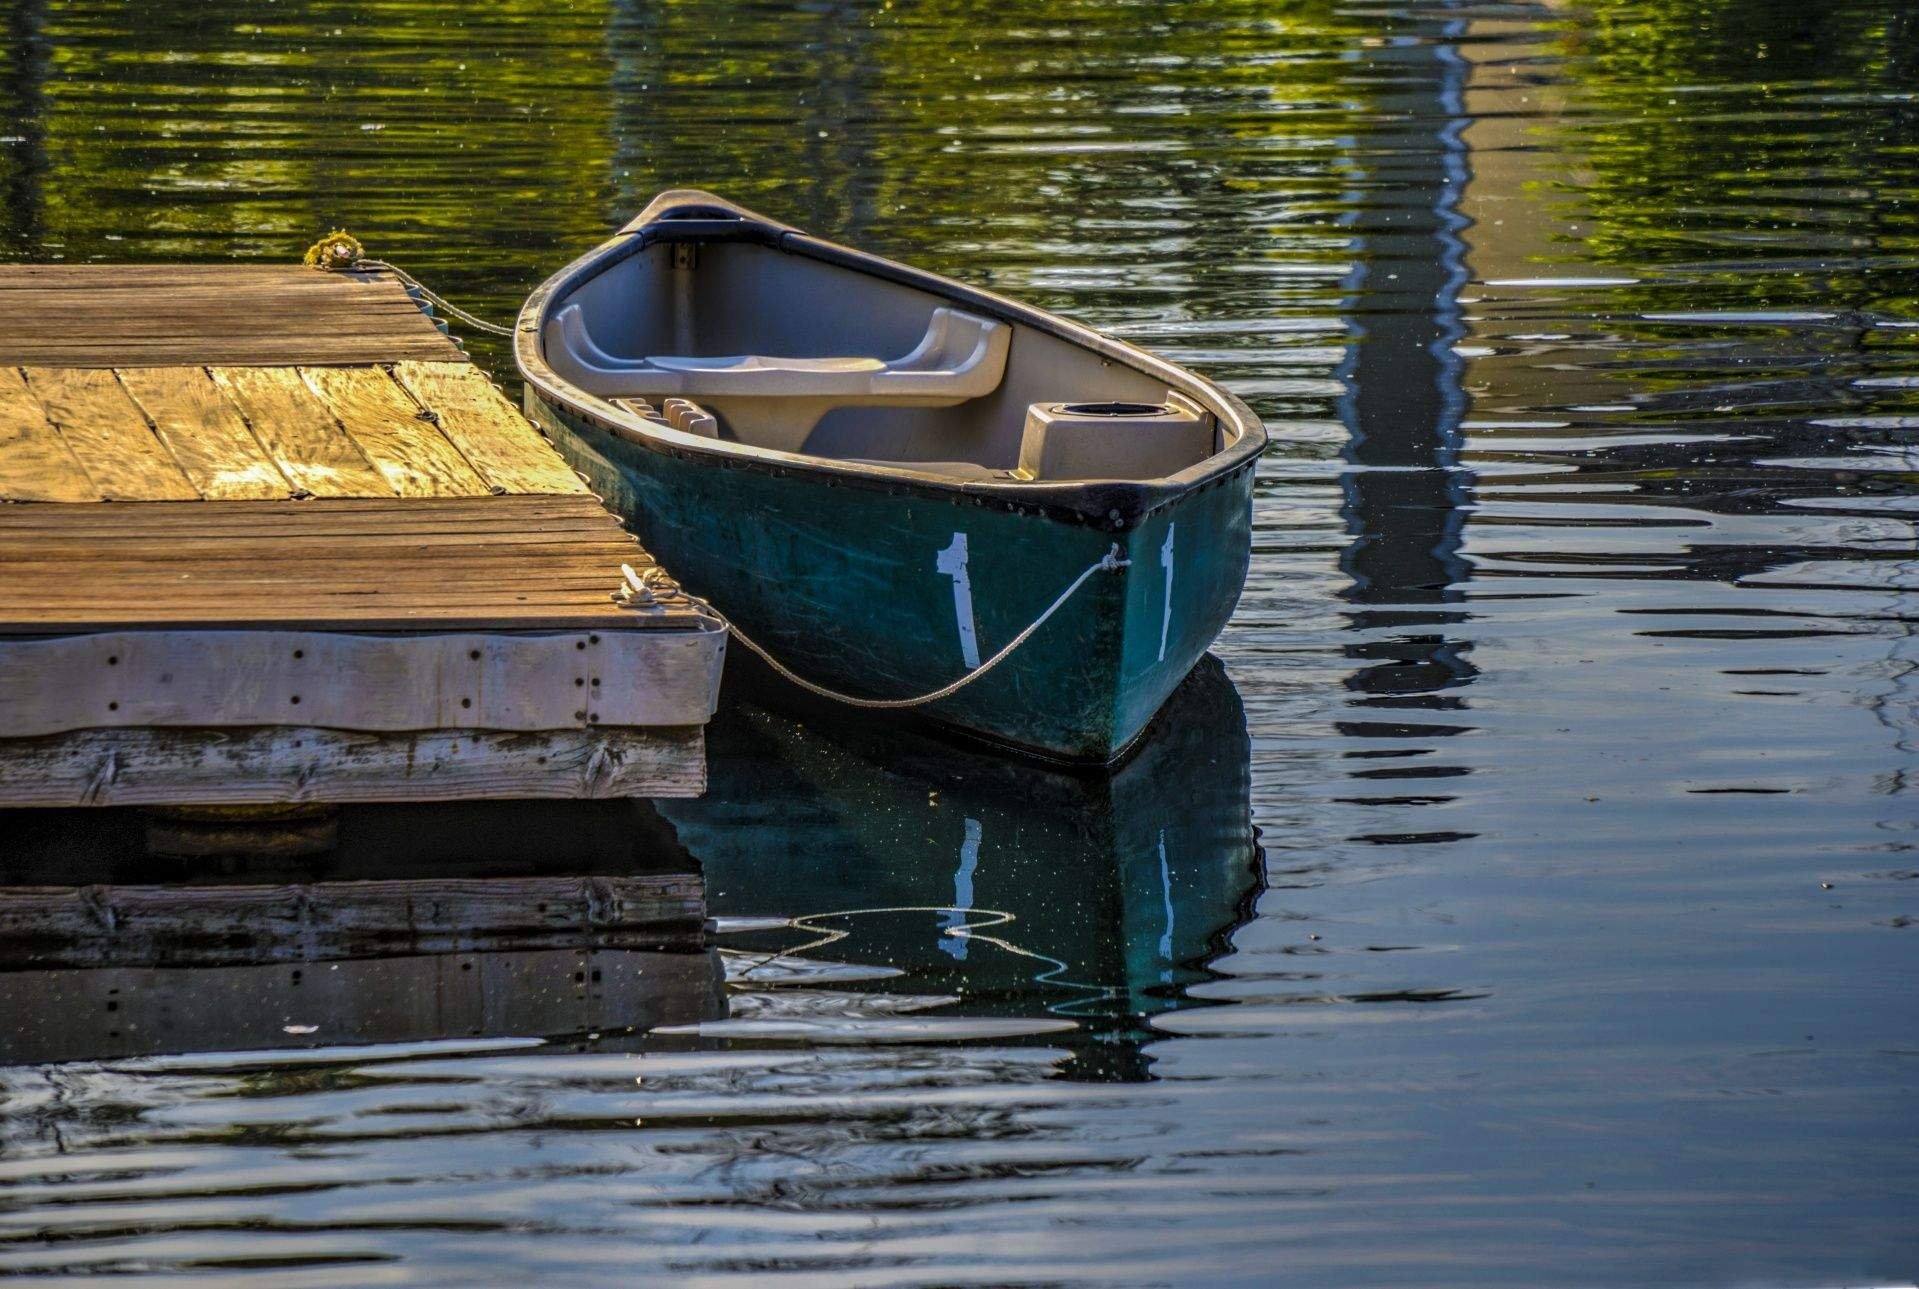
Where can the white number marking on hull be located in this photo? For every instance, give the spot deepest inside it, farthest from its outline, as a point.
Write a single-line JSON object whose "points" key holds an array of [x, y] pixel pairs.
{"points": [[1166, 617], [952, 562]]}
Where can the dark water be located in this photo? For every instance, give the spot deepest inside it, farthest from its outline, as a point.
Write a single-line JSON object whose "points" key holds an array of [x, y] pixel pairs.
{"points": [[1572, 694]]}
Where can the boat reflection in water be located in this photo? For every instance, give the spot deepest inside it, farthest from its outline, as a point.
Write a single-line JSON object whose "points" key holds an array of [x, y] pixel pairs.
{"points": [[1012, 890]]}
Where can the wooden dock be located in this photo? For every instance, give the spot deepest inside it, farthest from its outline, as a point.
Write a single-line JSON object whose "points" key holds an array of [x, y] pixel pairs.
{"points": [[267, 535]]}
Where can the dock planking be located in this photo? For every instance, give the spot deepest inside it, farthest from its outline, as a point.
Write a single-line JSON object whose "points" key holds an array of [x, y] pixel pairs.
{"points": [[208, 436], [390, 566], [211, 315], [320, 515], [218, 433], [109, 437]]}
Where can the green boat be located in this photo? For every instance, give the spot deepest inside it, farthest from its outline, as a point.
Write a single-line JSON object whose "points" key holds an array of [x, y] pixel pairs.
{"points": [[900, 489]]}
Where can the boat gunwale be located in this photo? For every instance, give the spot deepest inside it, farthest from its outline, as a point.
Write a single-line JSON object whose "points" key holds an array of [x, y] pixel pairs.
{"points": [[1114, 504]]}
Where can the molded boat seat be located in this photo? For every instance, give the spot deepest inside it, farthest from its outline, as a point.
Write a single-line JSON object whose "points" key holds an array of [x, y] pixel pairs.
{"points": [[741, 374], [774, 401], [969, 470]]}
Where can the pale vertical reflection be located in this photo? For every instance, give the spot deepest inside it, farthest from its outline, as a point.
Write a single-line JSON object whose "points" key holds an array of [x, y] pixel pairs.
{"points": [[1404, 400], [955, 945]]}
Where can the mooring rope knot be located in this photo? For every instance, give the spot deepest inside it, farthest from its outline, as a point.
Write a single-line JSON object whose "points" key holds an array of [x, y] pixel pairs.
{"points": [[341, 252], [337, 252]]}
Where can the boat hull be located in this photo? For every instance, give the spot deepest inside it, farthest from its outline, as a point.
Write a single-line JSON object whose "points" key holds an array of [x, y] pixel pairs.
{"points": [[867, 589]]}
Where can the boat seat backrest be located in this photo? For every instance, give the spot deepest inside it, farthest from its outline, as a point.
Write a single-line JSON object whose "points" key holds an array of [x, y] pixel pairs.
{"points": [[961, 356], [775, 401]]}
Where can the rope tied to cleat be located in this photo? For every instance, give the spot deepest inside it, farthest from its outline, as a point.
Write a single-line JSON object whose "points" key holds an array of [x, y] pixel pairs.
{"points": [[341, 252]]}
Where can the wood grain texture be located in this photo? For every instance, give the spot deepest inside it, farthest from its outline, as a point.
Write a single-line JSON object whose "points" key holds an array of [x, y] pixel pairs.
{"points": [[184, 314], [109, 435], [510, 454], [35, 462], [396, 434], [289, 764], [300, 433], [402, 564], [143, 276], [329, 515], [299, 401], [487, 679], [206, 433]]}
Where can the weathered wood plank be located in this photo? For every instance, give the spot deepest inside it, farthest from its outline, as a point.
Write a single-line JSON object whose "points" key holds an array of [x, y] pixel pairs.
{"points": [[477, 619], [206, 433], [502, 680], [424, 511], [173, 925], [418, 608], [390, 428], [419, 601], [432, 570], [100, 316], [41, 592], [39, 586], [14, 276], [241, 999], [134, 277], [89, 524], [321, 544], [64, 316], [237, 350], [300, 434], [35, 462], [109, 435], [500, 443], [286, 764], [401, 564]]}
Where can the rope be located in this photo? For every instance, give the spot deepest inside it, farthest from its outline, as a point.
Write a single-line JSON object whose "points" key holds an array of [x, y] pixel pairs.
{"points": [[1110, 562], [434, 297], [340, 251]]}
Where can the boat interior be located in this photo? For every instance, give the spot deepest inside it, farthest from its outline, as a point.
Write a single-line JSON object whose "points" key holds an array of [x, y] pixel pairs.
{"points": [[749, 344]]}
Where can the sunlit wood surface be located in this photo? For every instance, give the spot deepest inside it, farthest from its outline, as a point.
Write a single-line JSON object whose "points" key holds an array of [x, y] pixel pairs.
{"points": [[258, 497]]}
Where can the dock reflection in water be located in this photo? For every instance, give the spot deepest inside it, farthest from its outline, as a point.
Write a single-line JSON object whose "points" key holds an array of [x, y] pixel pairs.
{"points": [[466, 928], [1008, 889]]}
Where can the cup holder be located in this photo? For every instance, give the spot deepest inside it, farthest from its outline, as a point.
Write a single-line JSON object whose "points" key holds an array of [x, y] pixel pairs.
{"points": [[1115, 409], [1120, 439], [684, 214]]}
